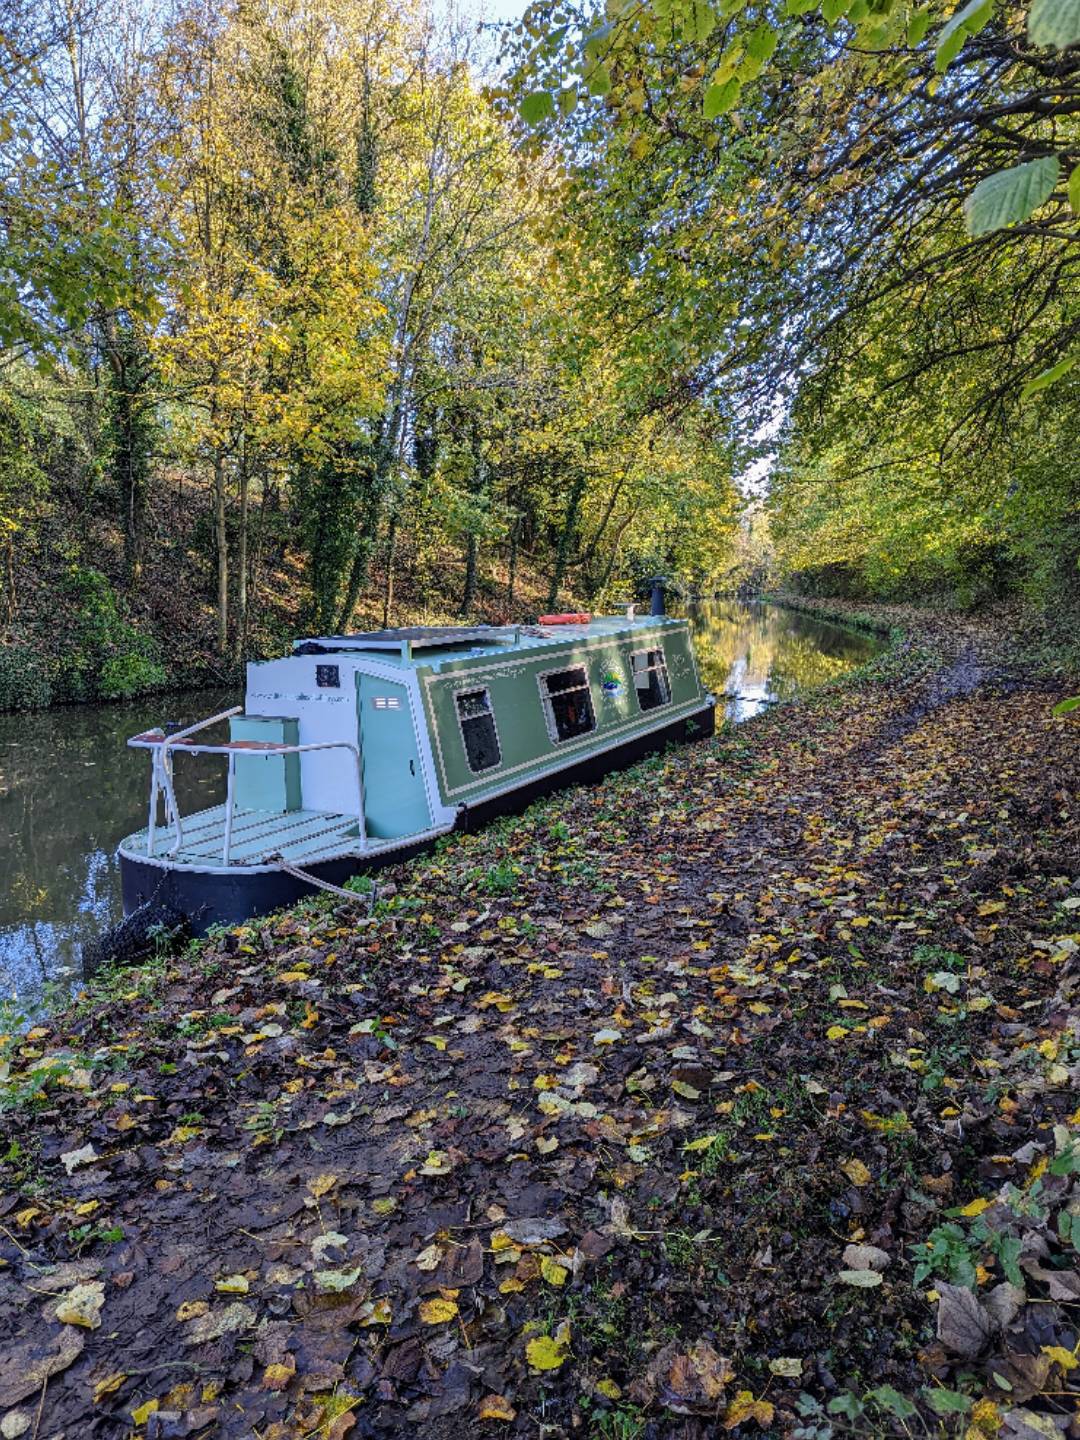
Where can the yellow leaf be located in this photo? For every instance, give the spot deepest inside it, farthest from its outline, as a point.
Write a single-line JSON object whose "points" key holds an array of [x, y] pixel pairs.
{"points": [[438, 1162], [82, 1305], [437, 1311], [1060, 1356], [143, 1413], [745, 1407], [319, 1185], [976, 1207], [496, 1407], [108, 1386], [991, 907], [513, 1286], [232, 1285], [609, 1388], [547, 1353], [291, 977], [191, 1308], [276, 1377], [856, 1172], [836, 1032], [553, 1271], [376, 1312], [701, 1143], [87, 1207]]}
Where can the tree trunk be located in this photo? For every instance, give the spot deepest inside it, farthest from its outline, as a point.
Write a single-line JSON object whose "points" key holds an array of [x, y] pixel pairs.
{"points": [[511, 577], [222, 542], [468, 595], [566, 538], [391, 556], [242, 553]]}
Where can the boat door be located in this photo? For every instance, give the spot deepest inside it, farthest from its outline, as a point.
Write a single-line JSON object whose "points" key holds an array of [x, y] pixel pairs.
{"points": [[395, 801]]}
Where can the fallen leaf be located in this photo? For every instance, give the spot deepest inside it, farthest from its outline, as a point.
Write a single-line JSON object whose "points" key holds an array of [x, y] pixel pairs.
{"points": [[217, 1323], [82, 1305], [74, 1158], [861, 1279], [108, 1386], [744, 1407], [548, 1352], [335, 1281], [192, 1308], [437, 1311], [962, 1325], [232, 1285], [553, 1271], [23, 1369], [856, 1172], [866, 1257], [278, 1376], [789, 1367], [496, 1407], [429, 1259], [320, 1185]]}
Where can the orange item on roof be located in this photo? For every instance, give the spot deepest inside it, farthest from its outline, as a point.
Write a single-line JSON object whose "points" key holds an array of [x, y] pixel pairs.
{"points": [[568, 619]]}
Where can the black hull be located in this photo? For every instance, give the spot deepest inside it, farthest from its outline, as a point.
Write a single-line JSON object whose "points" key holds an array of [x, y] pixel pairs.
{"points": [[207, 898]]}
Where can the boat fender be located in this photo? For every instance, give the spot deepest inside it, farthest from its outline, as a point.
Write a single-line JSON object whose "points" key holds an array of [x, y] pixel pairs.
{"points": [[570, 618], [134, 938]]}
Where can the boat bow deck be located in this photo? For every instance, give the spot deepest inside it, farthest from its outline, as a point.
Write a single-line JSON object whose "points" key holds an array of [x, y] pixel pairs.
{"points": [[258, 837]]}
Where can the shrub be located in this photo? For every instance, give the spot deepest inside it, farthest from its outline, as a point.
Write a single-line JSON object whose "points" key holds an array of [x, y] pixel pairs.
{"points": [[129, 674], [24, 679]]}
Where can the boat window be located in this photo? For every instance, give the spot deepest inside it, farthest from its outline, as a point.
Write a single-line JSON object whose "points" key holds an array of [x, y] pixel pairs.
{"points": [[568, 705], [478, 729], [651, 682]]}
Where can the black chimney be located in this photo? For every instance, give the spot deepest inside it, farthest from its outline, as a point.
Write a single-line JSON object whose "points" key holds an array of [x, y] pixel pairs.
{"points": [[657, 607]]}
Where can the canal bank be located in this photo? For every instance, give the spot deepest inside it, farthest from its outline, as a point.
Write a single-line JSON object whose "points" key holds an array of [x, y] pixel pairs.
{"points": [[644, 1109], [70, 789]]}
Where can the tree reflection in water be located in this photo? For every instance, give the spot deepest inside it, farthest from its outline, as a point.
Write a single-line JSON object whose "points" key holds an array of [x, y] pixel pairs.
{"points": [[69, 790], [752, 654]]}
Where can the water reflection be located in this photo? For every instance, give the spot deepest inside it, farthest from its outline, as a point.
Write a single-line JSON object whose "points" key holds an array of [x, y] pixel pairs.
{"points": [[69, 789], [751, 655]]}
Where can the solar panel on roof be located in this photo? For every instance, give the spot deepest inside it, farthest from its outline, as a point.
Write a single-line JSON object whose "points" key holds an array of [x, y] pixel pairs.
{"points": [[420, 637]]}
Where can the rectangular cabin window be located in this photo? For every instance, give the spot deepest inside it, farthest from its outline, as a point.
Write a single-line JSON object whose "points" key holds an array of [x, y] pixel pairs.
{"points": [[568, 706], [651, 683], [478, 730]]}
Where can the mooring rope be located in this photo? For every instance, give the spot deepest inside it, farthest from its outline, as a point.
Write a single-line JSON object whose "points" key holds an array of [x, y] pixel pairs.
{"points": [[309, 879]]}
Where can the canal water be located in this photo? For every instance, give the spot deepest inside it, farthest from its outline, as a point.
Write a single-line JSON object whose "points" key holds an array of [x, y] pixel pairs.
{"points": [[70, 789]]}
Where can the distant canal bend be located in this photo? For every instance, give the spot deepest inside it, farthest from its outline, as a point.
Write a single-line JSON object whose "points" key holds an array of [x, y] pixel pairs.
{"points": [[69, 789]]}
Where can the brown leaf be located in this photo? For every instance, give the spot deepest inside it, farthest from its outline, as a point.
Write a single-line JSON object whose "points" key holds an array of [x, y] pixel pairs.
{"points": [[962, 1325], [24, 1368]]}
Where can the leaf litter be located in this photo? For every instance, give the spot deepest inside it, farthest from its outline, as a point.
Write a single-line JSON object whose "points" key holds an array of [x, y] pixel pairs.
{"points": [[735, 1095]]}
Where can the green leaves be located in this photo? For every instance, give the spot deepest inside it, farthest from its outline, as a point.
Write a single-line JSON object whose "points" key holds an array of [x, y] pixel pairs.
{"points": [[1047, 377], [968, 21], [538, 105], [1074, 190], [1010, 196], [1054, 22], [946, 1402], [719, 99], [918, 25], [1066, 707]]}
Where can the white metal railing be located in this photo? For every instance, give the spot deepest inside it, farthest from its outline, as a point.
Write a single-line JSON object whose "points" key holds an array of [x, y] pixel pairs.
{"points": [[162, 746]]}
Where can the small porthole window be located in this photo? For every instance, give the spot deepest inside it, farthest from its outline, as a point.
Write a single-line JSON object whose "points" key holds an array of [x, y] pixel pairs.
{"points": [[567, 701], [651, 684], [478, 730]]}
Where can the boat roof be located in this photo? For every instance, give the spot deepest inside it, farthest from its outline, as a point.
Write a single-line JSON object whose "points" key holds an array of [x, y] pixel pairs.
{"points": [[430, 645]]}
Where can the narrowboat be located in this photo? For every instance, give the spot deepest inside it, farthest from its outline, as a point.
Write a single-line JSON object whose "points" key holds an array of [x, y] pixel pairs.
{"points": [[356, 751]]}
